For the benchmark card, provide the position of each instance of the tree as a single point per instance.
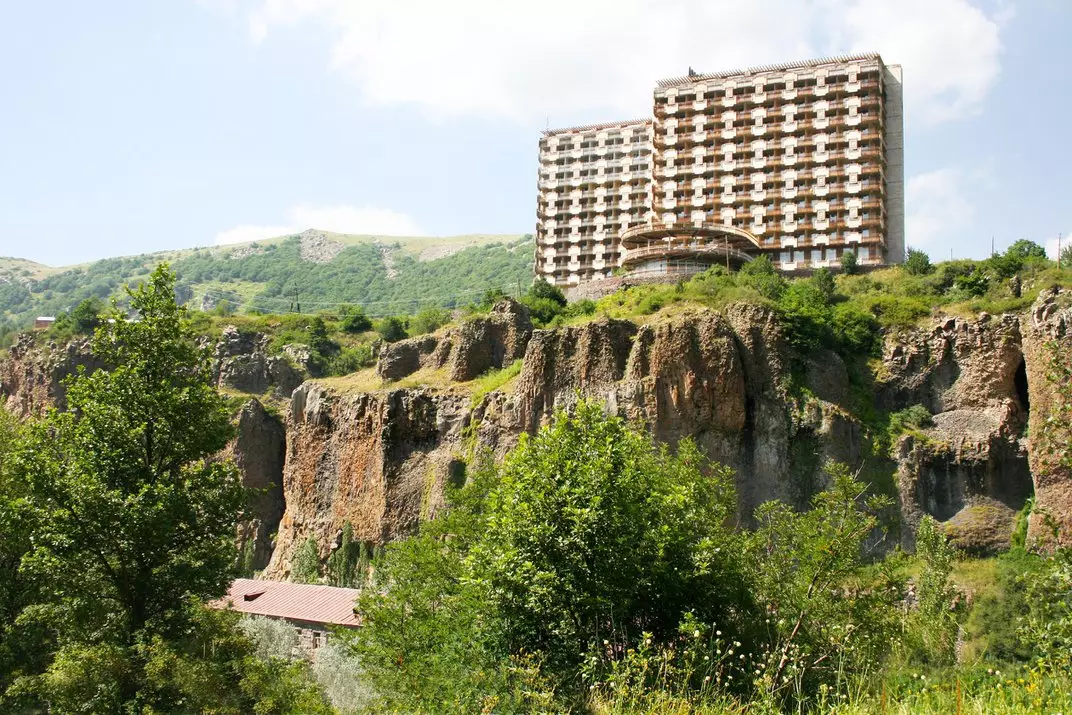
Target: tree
(541, 289)
(824, 281)
(918, 263)
(134, 518)
(1024, 249)
(392, 329)
(1065, 259)
(933, 632)
(818, 628)
(86, 316)
(595, 534)
(849, 264)
(354, 319)
(428, 320)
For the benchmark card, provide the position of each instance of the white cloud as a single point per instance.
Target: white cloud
(938, 207)
(600, 58)
(366, 220)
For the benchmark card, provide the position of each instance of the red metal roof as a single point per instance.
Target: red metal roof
(294, 601)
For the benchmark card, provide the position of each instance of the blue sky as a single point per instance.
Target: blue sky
(133, 125)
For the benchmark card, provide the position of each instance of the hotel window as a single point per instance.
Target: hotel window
(816, 255)
(798, 256)
(785, 257)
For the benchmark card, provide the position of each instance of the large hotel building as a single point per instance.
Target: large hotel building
(802, 162)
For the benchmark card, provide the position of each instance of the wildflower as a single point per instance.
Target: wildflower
(718, 633)
(606, 642)
(707, 679)
(695, 634)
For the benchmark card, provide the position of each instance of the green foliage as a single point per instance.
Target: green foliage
(130, 516)
(604, 547)
(761, 275)
(544, 301)
(273, 278)
(801, 559)
(428, 320)
(349, 564)
(493, 380)
(391, 329)
(931, 636)
(910, 419)
(849, 263)
(354, 319)
(305, 567)
(1048, 626)
(1065, 259)
(917, 263)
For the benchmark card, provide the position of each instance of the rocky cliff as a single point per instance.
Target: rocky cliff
(380, 460)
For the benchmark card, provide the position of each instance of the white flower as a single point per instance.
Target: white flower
(718, 633)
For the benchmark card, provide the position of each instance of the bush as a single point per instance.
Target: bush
(918, 263)
(428, 320)
(354, 320)
(392, 329)
(849, 263)
(579, 551)
(305, 568)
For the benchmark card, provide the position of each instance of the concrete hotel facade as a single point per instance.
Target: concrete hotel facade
(801, 162)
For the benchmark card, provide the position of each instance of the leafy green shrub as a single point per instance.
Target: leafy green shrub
(761, 275)
(305, 567)
(918, 263)
(895, 311)
(391, 329)
(349, 360)
(910, 419)
(974, 283)
(635, 521)
(428, 320)
(849, 263)
(354, 319)
(931, 635)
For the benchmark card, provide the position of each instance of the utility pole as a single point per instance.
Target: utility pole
(991, 246)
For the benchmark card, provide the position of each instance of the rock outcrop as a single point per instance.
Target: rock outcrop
(1047, 343)
(468, 350)
(381, 460)
(243, 364)
(729, 380)
(259, 450)
(970, 469)
(376, 460)
(32, 377)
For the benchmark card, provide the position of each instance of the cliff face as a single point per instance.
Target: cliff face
(467, 350)
(31, 378)
(970, 468)
(729, 380)
(376, 460)
(1048, 356)
(381, 460)
(259, 449)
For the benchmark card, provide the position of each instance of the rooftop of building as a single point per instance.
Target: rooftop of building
(293, 601)
(597, 127)
(782, 67)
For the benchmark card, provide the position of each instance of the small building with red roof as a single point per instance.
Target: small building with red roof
(310, 608)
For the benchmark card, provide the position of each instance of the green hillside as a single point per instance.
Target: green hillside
(316, 271)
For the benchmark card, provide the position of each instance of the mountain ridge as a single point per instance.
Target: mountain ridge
(315, 270)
